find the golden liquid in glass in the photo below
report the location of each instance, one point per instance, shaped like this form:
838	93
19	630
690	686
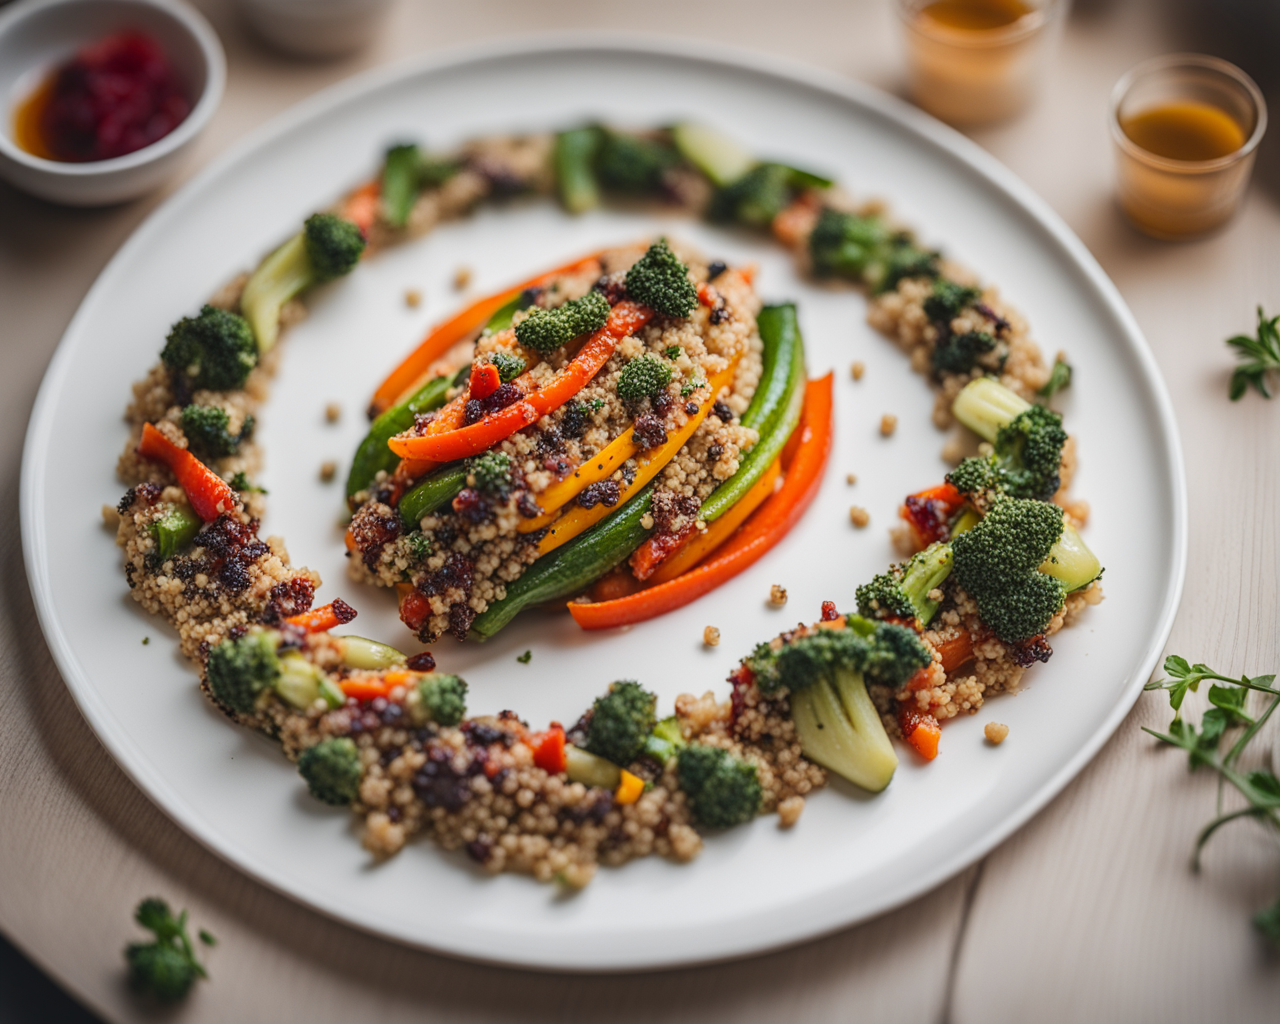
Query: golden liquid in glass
26	121
1187	130
974	60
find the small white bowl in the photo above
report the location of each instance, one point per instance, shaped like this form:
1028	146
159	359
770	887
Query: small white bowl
38	35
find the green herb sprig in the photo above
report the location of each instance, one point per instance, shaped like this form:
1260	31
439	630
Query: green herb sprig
1260	789
167	967
1260	357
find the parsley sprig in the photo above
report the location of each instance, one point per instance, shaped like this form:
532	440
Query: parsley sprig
1260	357
167	967
1228	698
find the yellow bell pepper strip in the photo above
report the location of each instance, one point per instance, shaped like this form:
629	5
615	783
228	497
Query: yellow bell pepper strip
405	377
629	789
555	497
697	548
208	493
771	522
577	519
624	320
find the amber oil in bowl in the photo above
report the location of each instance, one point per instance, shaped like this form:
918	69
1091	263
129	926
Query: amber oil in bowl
1186	128
976	61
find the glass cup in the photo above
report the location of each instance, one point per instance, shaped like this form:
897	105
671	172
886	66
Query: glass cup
976	61
1173	198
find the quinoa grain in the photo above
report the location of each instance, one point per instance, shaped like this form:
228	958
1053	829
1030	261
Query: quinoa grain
859	516
995	733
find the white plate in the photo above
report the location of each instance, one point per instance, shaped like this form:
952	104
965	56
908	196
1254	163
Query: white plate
757	887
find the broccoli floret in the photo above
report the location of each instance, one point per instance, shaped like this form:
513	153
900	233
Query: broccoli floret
208	431
1059	378
723	790
844	245
1028	441
509	365
332	770
492	471
755	198
901	260
167	967
334	246
948	300
660	281
903	591
442	698
545	330
643	377
997	562
825	671
240	670
959	353
621	722
213	351
629	163
327	247
241	482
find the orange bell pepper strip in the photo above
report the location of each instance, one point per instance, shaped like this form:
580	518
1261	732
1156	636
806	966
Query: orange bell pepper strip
624	319
453	330
484	380
324	618
629	790
548	749
956	651
208	493
361	206
771	522
920	729
364	689
699	547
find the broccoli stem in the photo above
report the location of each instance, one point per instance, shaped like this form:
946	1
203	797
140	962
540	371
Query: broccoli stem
926	571
400	173
575	158
300	683
985	406
359	652
174	531
839	727
1071	561
716	155
590	769
281	276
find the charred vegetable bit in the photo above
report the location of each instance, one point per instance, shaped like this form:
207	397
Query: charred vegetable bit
621	722
545	330
331	769
326	248
660	281
165	967
723	790
643	377
208	430
825	670
213	351
1028	440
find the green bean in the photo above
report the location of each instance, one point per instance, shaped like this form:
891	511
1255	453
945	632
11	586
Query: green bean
575	174
438	489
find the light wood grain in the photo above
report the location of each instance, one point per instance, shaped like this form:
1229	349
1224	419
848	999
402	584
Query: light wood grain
1088	913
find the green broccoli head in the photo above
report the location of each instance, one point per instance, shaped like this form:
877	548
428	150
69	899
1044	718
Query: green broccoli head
884	652
660	281
509	365
240	670
334	245
884	597
167	967
959	353
1029	454
643	377
844	245
213	351
723	790
630	163
977	479
755	198
903	592
492	471
443	698
332	770
948	300
545	330
902	259
997	561
621	721
208	430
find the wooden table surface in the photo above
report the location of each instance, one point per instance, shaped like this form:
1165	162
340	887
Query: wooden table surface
1088	913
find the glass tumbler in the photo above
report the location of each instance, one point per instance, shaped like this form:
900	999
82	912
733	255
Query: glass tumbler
1170	196
975	61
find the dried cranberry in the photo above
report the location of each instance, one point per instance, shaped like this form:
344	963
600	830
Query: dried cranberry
423	661
722	412
473	411
649	431
715	269
602	492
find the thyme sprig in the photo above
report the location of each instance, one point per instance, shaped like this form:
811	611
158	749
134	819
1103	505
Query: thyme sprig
1260	357
1228	698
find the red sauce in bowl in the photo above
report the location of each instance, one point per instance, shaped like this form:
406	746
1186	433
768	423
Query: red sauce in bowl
114	97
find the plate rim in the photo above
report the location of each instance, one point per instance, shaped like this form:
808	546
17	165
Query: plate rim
863	96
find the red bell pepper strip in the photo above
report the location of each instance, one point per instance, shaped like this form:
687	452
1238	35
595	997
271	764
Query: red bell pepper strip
361	206
624	319
207	492
453	330
484	380
324	618
770	523
928	512
548	749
